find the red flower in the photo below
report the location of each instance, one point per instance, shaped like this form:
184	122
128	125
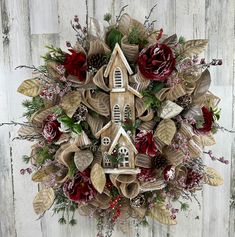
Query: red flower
51	130
80	188
208	121
145	143
156	62
75	64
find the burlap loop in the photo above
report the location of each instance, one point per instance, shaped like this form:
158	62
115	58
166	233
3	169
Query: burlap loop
100	102
98	46
131	51
126	178
142	160
99	79
141	82
81	140
55	70
174	157
148	125
171	93
140	107
158	184
148	116
194	141
126	184
130	190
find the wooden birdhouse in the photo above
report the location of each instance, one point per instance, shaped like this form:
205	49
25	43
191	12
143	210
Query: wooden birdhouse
115	141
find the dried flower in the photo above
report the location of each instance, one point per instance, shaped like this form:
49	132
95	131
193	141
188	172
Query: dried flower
208	121
80	188
156	62
145	143
75	64
51	130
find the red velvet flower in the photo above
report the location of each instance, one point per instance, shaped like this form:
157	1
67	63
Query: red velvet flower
80	188
75	64
208	121
145	143
51	130
156	62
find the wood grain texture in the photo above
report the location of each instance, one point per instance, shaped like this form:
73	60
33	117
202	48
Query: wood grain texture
26	26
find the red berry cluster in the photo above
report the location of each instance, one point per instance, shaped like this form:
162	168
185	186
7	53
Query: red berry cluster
116	206
193	179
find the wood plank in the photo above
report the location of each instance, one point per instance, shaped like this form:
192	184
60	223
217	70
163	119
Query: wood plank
18	52
216	202
7	202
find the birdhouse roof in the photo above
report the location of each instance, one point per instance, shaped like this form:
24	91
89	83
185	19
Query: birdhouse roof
106	126
117	51
121	132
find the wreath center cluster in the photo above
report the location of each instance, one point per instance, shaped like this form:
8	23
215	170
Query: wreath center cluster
120	123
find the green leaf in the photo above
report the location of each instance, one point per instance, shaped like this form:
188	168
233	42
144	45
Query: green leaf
66	120
77	128
114	36
184	206
72	169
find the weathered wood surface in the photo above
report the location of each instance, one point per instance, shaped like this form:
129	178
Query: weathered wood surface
27	25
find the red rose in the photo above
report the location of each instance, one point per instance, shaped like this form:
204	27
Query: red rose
75	64
208	121
145	143
80	188
51	130
156	62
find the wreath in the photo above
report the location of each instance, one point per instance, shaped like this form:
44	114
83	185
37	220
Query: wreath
120	122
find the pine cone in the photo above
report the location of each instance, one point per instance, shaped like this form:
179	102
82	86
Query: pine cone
160	162
184	101
96	61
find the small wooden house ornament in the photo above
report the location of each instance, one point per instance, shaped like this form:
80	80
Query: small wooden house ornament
122	107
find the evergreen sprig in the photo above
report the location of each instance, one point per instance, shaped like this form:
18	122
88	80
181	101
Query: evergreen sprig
43	154
134	37
149	95
107	17
65	206
32	106
54	54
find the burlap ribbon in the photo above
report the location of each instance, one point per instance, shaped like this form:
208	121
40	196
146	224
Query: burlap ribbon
127	184
131	51
99	102
194	141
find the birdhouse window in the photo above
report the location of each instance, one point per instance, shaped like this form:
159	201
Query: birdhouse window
127	112
124	152
118	80
106	141
107	162
116	114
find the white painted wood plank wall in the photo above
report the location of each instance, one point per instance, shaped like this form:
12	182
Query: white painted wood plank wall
28	25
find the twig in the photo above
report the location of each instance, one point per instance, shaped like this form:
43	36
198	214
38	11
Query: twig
35	70
28	137
13	123
120	13
224	129
87	15
150	13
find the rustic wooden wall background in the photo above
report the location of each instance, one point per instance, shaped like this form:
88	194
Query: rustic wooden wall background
28	25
